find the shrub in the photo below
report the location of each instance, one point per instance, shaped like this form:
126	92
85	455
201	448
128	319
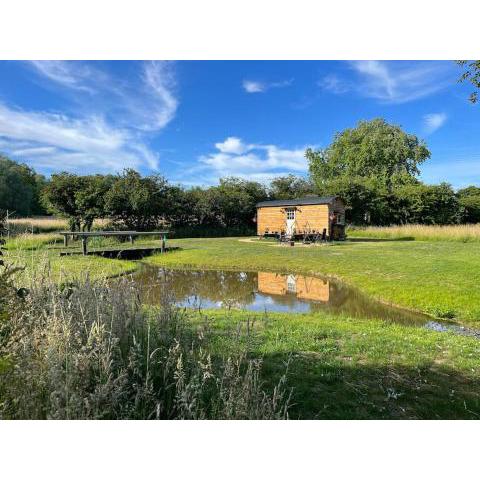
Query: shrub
89	350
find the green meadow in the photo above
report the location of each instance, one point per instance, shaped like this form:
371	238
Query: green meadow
336	366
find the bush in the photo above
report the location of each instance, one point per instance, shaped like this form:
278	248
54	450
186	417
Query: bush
91	351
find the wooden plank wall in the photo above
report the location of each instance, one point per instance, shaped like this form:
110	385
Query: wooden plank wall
311	288
308	288
314	217
272	218
272	283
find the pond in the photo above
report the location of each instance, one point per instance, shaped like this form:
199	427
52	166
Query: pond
266	291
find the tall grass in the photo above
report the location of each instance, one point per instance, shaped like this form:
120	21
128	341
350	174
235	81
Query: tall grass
44	224
89	350
455	233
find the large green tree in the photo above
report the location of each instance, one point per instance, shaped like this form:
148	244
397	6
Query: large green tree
373	149
365	165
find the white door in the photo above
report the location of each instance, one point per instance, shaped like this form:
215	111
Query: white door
290	221
291	284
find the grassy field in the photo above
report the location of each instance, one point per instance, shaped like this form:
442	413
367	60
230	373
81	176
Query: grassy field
445	233
439	278
338	367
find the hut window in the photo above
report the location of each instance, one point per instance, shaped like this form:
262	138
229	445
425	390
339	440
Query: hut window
290	213
340	218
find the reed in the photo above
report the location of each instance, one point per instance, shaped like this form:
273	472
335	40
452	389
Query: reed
90	350
455	233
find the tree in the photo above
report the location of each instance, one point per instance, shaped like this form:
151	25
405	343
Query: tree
469	200
138	203
19	188
373	149
236	201
471	74
90	198
365	165
365	200
59	197
429	204
290	186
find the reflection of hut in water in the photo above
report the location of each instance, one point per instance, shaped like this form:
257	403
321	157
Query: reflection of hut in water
306	288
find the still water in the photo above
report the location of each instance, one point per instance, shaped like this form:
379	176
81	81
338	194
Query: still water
266	291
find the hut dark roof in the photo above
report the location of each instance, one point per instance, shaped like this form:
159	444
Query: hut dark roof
297	201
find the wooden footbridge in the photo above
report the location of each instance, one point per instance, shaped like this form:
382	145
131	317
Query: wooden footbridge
117	252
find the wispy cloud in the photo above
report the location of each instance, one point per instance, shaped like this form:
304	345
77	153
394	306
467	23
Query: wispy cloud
253	86
107	132
333	83
69	74
392	82
57	142
147	102
159	78
433	121
254	161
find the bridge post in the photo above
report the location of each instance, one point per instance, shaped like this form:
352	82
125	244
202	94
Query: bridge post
84	245
163	243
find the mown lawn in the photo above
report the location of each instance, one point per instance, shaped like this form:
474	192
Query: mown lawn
341	368
439	278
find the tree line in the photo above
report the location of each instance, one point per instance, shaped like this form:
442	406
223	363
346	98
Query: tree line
374	167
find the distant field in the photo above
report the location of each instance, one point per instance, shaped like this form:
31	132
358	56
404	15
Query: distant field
456	233
44	224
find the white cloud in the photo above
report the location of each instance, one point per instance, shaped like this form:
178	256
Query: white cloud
231	145
256	161
433	121
251	86
112	117
393	82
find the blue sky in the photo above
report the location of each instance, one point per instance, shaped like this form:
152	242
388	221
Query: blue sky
196	121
